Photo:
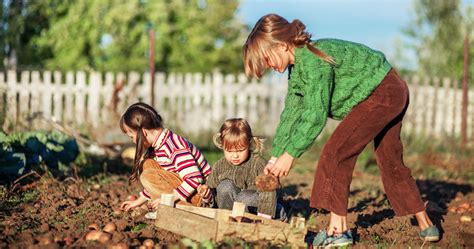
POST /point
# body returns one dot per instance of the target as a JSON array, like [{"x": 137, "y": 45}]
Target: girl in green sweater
[{"x": 345, "y": 81}]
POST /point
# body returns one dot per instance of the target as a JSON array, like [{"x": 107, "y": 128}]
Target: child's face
[
  {"x": 237, "y": 156},
  {"x": 133, "y": 135},
  {"x": 279, "y": 57}
]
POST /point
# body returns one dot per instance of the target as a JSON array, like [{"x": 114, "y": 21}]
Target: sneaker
[
  {"x": 430, "y": 234},
  {"x": 343, "y": 239},
  {"x": 322, "y": 240}
]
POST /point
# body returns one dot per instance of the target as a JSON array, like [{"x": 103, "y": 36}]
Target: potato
[
  {"x": 110, "y": 227},
  {"x": 94, "y": 235},
  {"x": 267, "y": 182},
  {"x": 119, "y": 246},
  {"x": 148, "y": 243},
  {"x": 93, "y": 226},
  {"x": 104, "y": 238},
  {"x": 465, "y": 218}
]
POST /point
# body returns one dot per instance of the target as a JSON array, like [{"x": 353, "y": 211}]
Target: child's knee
[
  {"x": 226, "y": 186},
  {"x": 249, "y": 197}
]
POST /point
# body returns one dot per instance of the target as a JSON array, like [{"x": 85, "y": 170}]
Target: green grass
[
  {"x": 138, "y": 227},
  {"x": 212, "y": 155},
  {"x": 14, "y": 200}
]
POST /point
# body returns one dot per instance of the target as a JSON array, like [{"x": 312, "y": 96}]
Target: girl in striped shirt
[{"x": 164, "y": 161}]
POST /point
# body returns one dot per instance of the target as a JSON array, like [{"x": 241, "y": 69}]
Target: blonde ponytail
[
  {"x": 272, "y": 30},
  {"x": 258, "y": 144}
]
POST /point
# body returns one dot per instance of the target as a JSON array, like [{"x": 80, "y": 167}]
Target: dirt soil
[{"x": 60, "y": 212}]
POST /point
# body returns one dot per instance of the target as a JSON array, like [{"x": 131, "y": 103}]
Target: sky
[{"x": 375, "y": 23}]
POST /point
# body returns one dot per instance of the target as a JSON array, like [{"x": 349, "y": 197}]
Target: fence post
[
  {"x": 24, "y": 90},
  {"x": 229, "y": 90},
  {"x": 58, "y": 92},
  {"x": 36, "y": 94},
  {"x": 94, "y": 90},
  {"x": 465, "y": 99},
  {"x": 68, "y": 98},
  {"x": 12, "y": 110},
  {"x": 217, "y": 80},
  {"x": 46, "y": 98},
  {"x": 3, "y": 104},
  {"x": 80, "y": 90},
  {"x": 455, "y": 107},
  {"x": 445, "y": 106}
]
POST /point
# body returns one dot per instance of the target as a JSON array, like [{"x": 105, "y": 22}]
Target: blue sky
[{"x": 376, "y": 23}]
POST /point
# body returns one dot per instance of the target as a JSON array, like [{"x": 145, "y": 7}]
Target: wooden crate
[{"x": 202, "y": 224}]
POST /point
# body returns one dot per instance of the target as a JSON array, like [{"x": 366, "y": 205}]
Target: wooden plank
[
  {"x": 217, "y": 82},
  {"x": 36, "y": 90},
  {"x": 193, "y": 226},
  {"x": 435, "y": 104},
  {"x": 167, "y": 199},
  {"x": 224, "y": 214},
  {"x": 93, "y": 90},
  {"x": 46, "y": 98},
  {"x": 445, "y": 102},
  {"x": 238, "y": 209},
  {"x": 207, "y": 212},
  {"x": 417, "y": 98},
  {"x": 24, "y": 92},
  {"x": 456, "y": 104},
  {"x": 80, "y": 98},
  {"x": 57, "y": 90},
  {"x": 12, "y": 103},
  {"x": 258, "y": 231},
  {"x": 426, "y": 106},
  {"x": 69, "y": 92},
  {"x": 229, "y": 96}
]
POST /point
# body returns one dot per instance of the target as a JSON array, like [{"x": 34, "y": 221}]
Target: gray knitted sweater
[{"x": 243, "y": 176}]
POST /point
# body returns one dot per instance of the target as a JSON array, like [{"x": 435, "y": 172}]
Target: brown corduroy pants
[
  {"x": 378, "y": 118},
  {"x": 158, "y": 181}
]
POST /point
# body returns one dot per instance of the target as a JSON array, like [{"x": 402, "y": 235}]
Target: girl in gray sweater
[{"x": 234, "y": 176}]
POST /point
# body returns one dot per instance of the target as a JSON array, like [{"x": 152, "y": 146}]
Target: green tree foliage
[
  {"x": 21, "y": 22},
  {"x": 191, "y": 35},
  {"x": 438, "y": 32}
]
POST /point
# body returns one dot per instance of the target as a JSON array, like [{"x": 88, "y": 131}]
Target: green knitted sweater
[{"x": 318, "y": 90}]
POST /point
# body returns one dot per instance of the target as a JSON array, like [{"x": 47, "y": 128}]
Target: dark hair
[
  {"x": 137, "y": 117},
  {"x": 269, "y": 31}
]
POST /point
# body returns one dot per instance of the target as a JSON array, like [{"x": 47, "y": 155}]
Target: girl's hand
[
  {"x": 154, "y": 204},
  {"x": 128, "y": 205},
  {"x": 270, "y": 165},
  {"x": 281, "y": 167}
]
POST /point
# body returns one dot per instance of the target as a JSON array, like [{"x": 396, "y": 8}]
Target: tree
[
  {"x": 21, "y": 22},
  {"x": 191, "y": 35},
  {"x": 438, "y": 32}
]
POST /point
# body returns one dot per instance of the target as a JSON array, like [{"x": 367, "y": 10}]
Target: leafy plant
[{"x": 20, "y": 151}]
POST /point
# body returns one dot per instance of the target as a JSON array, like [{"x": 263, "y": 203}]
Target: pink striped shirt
[{"x": 174, "y": 153}]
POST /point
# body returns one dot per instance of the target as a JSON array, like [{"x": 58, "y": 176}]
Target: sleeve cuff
[
  {"x": 145, "y": 194},
  {"x": 180, "y": 195},
  {"x": 295, "y": 153},
  {"x": 277, "y": 151}
]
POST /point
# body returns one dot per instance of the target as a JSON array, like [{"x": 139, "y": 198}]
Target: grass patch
[
  {"x": 212, "y": 155},
  {"x": 138, "y": 227}
]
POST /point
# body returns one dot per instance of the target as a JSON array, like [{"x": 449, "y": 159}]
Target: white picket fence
[{"x": 197, "y": 103}]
